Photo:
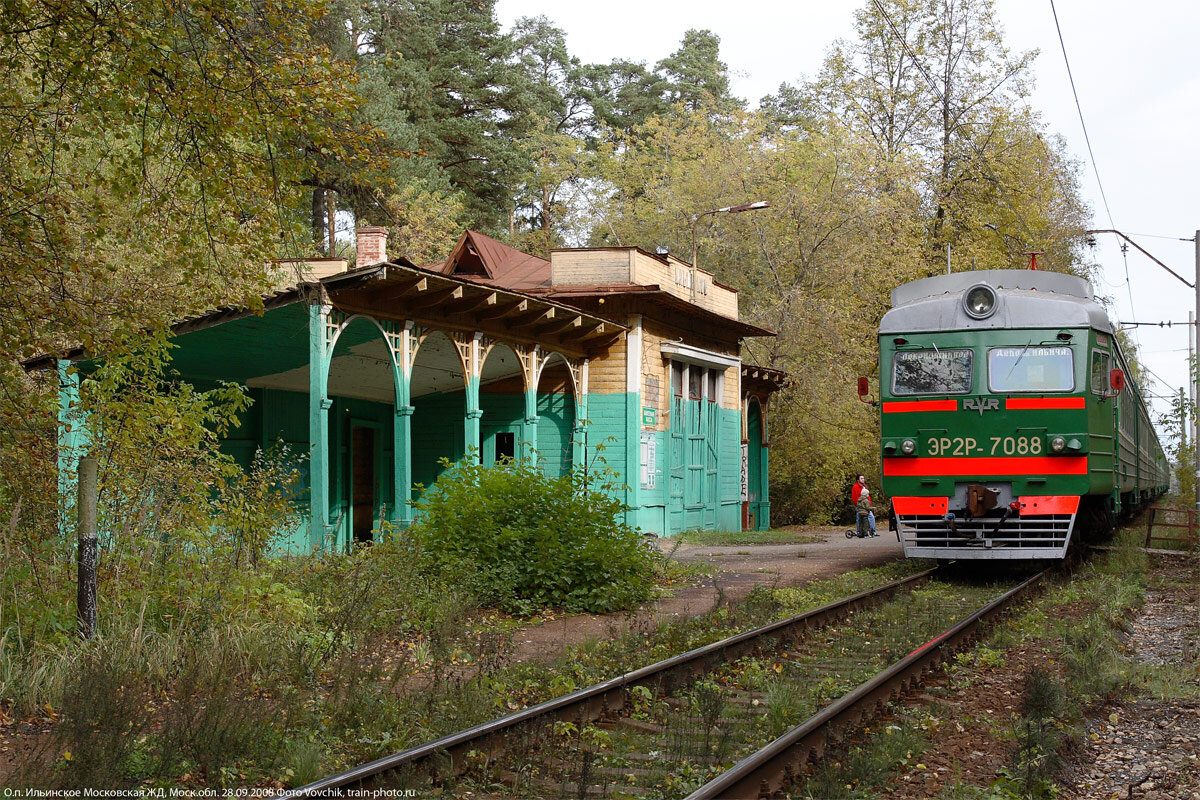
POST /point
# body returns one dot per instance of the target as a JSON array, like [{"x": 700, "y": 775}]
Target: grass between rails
[
  {"x": 701, "y": 729},
  {"x": 1059, "y": 658}
]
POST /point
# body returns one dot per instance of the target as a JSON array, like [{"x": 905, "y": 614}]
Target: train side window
[{"x": 1099, "y": 372}]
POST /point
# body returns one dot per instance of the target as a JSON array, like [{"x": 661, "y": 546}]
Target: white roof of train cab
[{"x": 1024, "y": 299}]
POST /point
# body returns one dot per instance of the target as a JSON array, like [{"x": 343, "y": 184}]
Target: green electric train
[{"x": 1009, "y": 429}]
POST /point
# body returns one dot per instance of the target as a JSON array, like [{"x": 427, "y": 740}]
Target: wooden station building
[{"x": 380, "y": 371}]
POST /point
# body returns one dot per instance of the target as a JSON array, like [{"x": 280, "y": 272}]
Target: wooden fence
[{"x": 1183, "y": 527}]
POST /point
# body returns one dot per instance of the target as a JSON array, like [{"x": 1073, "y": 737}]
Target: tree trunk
[
  {"x": 331, "y": 211},
  {"x": 318, "y": 219}
]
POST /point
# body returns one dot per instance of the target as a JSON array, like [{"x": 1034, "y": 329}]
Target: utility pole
[
  {"x": 1189, "y": 420},
  {"x": 1196, "y": 240}
]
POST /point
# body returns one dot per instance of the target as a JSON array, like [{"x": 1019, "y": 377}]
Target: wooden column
[
  {"x": 399, "y": 338},
  {"x": 579, "y": 440},
  {"x": 318, "y": 423},
  {"x": 73, "y": 440},
  {"x": 471, "y": 425}
]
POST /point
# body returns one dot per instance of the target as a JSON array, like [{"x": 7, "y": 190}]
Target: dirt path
[{"x": 740, "y": 569}]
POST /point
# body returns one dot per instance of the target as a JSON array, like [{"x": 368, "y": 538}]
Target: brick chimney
[{"x": 370, "y": 246}]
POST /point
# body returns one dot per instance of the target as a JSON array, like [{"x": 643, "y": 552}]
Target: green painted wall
[
  {"x": 437, "y": 432},
  {"x": 697, "y": 467},
  {"x": 555, "y": 431}
]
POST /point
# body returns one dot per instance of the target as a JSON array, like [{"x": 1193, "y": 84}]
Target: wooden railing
[{"x": 1189, "y": 529}]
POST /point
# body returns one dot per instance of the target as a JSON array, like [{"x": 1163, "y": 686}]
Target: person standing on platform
[{"x": 863, "y": 507}]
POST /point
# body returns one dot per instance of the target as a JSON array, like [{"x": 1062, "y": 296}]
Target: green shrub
[{"x": 526, "y": 541}]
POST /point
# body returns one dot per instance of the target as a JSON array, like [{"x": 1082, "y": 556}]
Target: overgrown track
[
  {"x": 449, "y": 755},
  {"x": 764, "y": 773}
]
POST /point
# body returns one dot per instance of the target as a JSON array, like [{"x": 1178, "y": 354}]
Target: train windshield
[
  {"x": 1031, "y": 369},
  {"x": 932, "y": 372}
]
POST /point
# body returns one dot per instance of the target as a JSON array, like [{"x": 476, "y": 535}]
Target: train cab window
[
  {"x": 1031, "y": 369},
  {"x": 1099, "y": 372},
  {"x": 932, "y": 372}
]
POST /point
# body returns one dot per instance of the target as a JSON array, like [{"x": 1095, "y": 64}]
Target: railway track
[{"x": 660, "y": 731}]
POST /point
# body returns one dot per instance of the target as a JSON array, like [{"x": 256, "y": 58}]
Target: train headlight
[
  {"x": 980, "y": 301},
  {"x": 908, "y": 447},
  {"x": 1058, "y": 444}
]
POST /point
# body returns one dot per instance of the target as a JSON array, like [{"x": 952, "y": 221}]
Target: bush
[{"x": 529, "y": 541}]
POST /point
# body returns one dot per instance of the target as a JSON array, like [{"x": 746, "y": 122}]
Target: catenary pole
[
  {"x": 1196, "y": 240},
  {"x": 1189, "y": 416}
]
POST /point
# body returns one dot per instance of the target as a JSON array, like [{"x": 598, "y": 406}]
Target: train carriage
[{"x": 1008, "y": 427}]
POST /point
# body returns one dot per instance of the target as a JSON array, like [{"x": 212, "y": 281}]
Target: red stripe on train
[
  {"x": 1049, "y": 504},
  {"x": 1029, "y": 465},
  {"x": 894, "y": 407},
  {"x": 913, "y": 506},
  {"x": 1024, "y": 403}
]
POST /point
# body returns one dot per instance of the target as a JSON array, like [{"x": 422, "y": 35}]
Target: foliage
[
  {"x": 870, "y": 174},
  {"x": 534, "y": 541},
  {"x": 1178, "y": 444},
  {"x": 152, "y": 170},
  {"x": 152, "y": 160}
]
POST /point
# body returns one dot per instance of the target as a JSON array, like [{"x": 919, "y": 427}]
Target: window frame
[
  {"x": 993, "y": 390},
  {"x": 1104, "y": 379}
]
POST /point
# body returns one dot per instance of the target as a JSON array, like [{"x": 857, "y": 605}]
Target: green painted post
[
  {"x": 318, "y": 424},
  {"x": 73, "y": 441},
  {"x": 579, "y": 433},
  {"x": 471, "y": 420},
  {"x": 399, "y": 343},
  {"x": 764, "y": 506},
  {"x": 402, "y": 466},
  {"x": 529, "y": 446}
]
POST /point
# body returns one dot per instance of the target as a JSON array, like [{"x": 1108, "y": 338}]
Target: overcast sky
[{"x": 1136, "y": 67}]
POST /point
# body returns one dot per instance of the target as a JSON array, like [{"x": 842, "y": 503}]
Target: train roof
[{"x": 1026, "y": 299}]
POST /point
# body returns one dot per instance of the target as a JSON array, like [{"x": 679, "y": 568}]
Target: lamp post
[{"x": 726, "y": 210}]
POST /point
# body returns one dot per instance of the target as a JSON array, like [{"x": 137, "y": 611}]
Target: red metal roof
[{"x": 482, "y": 259}]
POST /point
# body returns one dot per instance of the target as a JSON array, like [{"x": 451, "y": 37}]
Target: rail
[
  {"x": 775, "y": 765},
  {"x": 594, "y": 701}
]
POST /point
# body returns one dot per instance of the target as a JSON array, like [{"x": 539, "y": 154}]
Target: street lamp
[{"x": 726, "y": 210}]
